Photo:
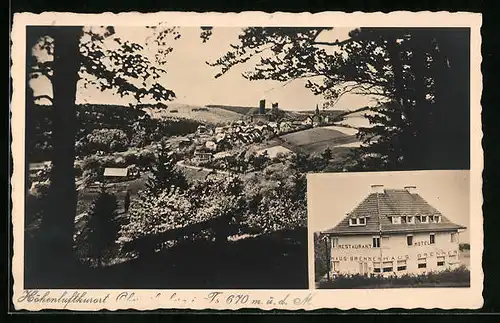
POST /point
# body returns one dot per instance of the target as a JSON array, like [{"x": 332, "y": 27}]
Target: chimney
[
  {"x": 378, "y": 189},
  {"x": 262, "y": 107},
  {"x": 411, "y": 189}
]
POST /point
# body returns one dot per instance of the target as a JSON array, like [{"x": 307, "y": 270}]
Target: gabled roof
[{"x": 392, "y": 203}]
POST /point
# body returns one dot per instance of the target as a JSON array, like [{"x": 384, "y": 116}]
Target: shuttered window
[{"x": 401, "y": 265}]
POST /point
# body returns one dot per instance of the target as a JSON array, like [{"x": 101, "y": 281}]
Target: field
[
  {"x": 318, "y": 139},
  {"x": 193, "y": 112},
  {"x": 237, "y": 109}
]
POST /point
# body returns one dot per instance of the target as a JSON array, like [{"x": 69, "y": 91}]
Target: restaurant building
[{"x": 393, "y": 231}]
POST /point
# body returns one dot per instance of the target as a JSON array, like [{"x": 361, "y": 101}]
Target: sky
[
  {"x": 332, "y": 196},
  {"x": 193, "y": 80}
]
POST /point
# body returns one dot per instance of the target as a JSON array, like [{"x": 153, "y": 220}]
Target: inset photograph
[{"x": 390, "y": 229}]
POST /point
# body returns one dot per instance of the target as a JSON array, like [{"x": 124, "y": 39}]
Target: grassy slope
[
  {"x": 213, "y": 115},
  {"x": 317, "y": 139}
]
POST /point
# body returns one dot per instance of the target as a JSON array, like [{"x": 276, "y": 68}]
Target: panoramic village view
[{"x": 143, "y": 174}]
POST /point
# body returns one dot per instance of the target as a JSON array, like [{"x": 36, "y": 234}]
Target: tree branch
[
  {"x": 44, "y": 96},
  {"x": 335, "y": 43}
]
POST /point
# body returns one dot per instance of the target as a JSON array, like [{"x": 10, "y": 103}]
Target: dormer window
[
  {"x": 410, "y": 219},
  {"x": 357, "y": 221},
  {"x": 425, "y": 219},
  {"x": 396, "y": 220}
]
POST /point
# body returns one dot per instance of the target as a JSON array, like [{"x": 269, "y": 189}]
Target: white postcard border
[{"x": 295, "y": 299}]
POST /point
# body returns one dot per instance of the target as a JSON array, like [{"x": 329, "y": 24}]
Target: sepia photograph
[
  {"x": 158, "y": 155},
  {"x": 391, "y": 230}
]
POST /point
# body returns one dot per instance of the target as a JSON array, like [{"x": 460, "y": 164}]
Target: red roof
[{"x": 392, "y": 203}]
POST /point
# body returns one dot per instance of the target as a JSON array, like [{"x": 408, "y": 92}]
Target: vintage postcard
[{"x": 246, "y": 160}]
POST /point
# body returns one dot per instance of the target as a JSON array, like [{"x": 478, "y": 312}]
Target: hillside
[
  {"x": 198, "y": 113},
  {"x": 318, "y": 139}
]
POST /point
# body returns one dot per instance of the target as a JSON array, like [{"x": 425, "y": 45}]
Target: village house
[{"x": 393, "y": 231}]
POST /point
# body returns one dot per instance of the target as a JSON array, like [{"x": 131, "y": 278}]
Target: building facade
[{"x": 393, "y": 232}]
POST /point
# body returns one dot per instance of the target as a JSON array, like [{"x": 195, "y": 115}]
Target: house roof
[
  {"x": 118, "y": 172},
  {"x": 392, "y": 203}
]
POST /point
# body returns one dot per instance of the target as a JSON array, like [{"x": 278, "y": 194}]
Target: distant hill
[
  {"x": 206, "y": 114},
  {"x": 238, "y": 109}
]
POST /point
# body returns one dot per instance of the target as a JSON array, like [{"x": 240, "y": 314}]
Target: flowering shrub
[
  {"x": 150, "y": 215},
  {"x": 276, "y": 213}
]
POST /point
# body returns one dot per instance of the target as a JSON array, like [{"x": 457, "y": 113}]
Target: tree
[
  {"x": 164, "y": 174},
  {"x": 408, "y": 70},
  {"x": 102, "y": 228},
  {"x": 80, "y": 54}
]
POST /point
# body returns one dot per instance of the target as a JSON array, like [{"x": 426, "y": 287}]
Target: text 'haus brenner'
[{"x": 393, "y": 231}]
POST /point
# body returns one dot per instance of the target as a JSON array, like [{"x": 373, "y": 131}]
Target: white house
[{"x": 393, "y": 231}]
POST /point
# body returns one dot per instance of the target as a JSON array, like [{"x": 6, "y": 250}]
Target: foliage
[
  {"x": 164, "y": 174},
  {"x": 107, "y": 140},
  {"x": 452, "y": 277},
  {"x": 36, "y": 204},
  {"x": 464, "y": 246},
  {"x": 321, "y": 257},
  {"x": 102, "y": 228},
  {"x": 141, "y": 130}
]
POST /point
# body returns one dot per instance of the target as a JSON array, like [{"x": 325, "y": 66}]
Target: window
[
  {"x": 403, "y": 219},
  {"x": 422, "y": 263},
  {"x": 335, "y": 242},
  {"x": 376, "y": 242},
  {"x": 411, "y": 219},
  {"x": 432, "y": 238},
  {"x": 357, "y": 221},
  {"x": 376, "y": 267},
  {"x": 396, "y": 220},
  {"x": 387, "y": 266},
  {"x": 439, "y": 218},
  {"x": 425, "y": 219},
  {"x": 409, "y": 240},
  {"x": 401, "y": 265},
  {"x": 454, "y": 237},
  {"x": 440, "y": 261},
  {"x": 335, "y": 265}
]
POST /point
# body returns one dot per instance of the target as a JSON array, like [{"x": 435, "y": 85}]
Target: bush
[{"x": 451, "y": 277}]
